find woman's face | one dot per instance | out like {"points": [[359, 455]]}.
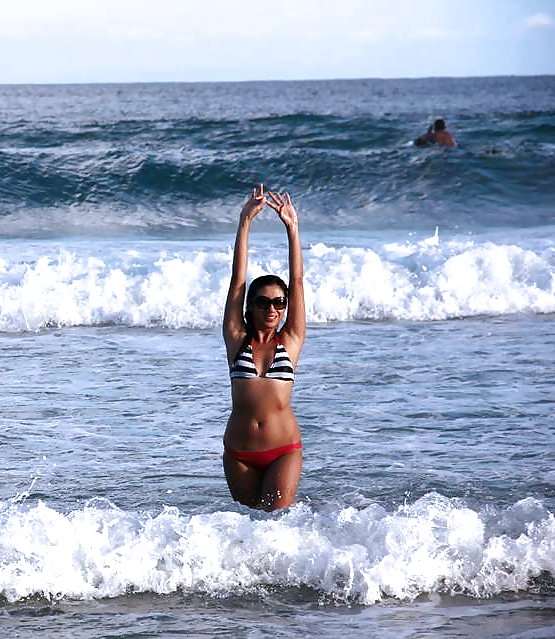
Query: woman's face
{"points": [[268, 307]]}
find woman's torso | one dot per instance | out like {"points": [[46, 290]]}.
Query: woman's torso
{"points": [[261, 416]]}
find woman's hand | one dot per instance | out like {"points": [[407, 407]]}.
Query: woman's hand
{"points": [[284, 208], [255, 204]]}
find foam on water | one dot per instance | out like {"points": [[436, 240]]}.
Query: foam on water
{"points": [[435, 545], [430, 279]]}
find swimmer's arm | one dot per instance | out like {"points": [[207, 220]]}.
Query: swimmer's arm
{"points": [[424, 138]]}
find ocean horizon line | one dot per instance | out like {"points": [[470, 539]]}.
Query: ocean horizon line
{"points": [[278, 80]]}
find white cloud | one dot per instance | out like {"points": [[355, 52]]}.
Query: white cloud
{"points": [[539, 20]]}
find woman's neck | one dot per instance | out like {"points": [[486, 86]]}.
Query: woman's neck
{"points": [[264, 337]]}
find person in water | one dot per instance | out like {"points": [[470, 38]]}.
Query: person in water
{"points": [[262, 443], [436, 135]]}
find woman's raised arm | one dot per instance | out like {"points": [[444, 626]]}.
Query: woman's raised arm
{"points": [[295, 325], [233, 323]]}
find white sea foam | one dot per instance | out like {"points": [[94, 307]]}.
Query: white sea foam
{"points": [[346, 555], [417, 280]]}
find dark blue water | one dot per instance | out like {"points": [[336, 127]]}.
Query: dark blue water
{"points": [[178, 149]]}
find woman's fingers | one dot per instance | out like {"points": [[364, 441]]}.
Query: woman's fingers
{"points": [[277, 203], [282, 204], [256, 202]]}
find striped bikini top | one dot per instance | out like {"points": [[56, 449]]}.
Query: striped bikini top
{"points": [[243, 367]]}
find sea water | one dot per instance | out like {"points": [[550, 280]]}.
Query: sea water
{"points": [[424, 392]]}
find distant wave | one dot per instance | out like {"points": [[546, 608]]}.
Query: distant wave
{"points": [[331, 163]]}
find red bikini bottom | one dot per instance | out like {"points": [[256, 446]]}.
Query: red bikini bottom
{"points": [[261, 459]]}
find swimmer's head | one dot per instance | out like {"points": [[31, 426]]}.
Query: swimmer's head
{"points": [[439, 125]]}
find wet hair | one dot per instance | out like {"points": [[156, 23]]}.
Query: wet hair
{"points": [[255, 286], [439, 125]]}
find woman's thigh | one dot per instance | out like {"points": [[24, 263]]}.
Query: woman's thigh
{"points": [[281, 481], [244, 482]]}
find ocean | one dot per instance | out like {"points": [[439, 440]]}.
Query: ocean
{"points": [[425, 391]]}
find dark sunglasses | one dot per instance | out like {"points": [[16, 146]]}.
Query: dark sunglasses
{"points": [[263, 303]]}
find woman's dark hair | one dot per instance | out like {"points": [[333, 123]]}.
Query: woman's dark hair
{"points": [[255, 286]]}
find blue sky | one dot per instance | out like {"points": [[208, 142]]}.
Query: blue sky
{"points": [[221, 40]]}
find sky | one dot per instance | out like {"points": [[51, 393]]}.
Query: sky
{"points": [[81, 41]]}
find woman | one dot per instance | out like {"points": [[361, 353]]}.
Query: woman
{"points": [[262, 443]]}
